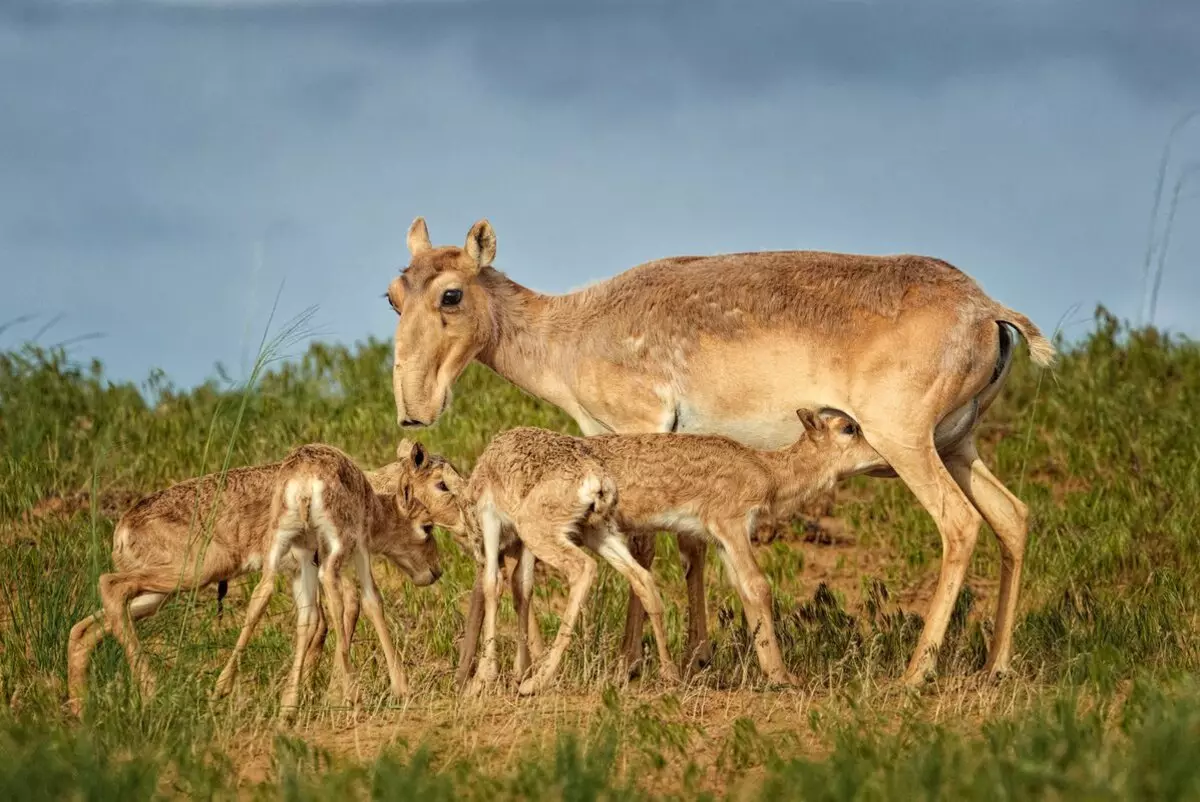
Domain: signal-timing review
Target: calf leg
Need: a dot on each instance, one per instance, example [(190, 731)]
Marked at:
[(258, 605), (642, 547), (611, 546), (522, 587), (754, 589), (330, 575), (470, 641), (374, 611), (487, 671), (86, 634), (306, 592), (693, 552), (556, 550)]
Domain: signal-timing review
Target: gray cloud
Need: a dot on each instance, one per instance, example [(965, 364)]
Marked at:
[(166, 167)]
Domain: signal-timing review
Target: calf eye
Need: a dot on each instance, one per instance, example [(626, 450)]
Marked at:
[(451, 297), (427, 529), (442, 487)]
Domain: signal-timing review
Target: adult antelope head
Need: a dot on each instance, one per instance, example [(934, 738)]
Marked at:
[(444, 320)]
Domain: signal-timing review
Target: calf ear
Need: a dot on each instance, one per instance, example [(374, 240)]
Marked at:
[(418, 237), (412, 451), (812, 424), (404, 494)]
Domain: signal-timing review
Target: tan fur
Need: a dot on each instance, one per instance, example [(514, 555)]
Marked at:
[(909, 346), (436, 484), (545, 494), (213, 528), (714, 487)]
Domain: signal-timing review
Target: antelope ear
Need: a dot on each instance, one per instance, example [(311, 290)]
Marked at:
[(418, 237), (809, 420), (481, 243)]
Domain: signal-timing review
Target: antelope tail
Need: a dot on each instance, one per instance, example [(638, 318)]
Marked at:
[(1041, 350)]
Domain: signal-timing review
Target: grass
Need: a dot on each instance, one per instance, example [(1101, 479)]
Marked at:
[(1102, 703)]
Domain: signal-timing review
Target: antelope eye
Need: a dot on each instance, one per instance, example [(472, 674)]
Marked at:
[(427, 529), (850, 429), (451, 297), (442, 487)]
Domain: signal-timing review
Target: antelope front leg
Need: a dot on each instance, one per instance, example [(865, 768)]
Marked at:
[(374, 611), (917, 463)]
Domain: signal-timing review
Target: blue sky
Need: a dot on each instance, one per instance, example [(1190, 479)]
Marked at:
[(164, 166)]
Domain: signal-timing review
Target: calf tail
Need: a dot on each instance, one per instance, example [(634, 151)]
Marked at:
[(598, 495)]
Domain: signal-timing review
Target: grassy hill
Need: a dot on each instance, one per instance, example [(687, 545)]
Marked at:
[(1105, 449)]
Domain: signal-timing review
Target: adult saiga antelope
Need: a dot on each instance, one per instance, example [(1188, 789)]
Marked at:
[(909, 346)]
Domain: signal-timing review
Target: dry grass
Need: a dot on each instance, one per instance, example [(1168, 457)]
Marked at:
[(1099, 706)]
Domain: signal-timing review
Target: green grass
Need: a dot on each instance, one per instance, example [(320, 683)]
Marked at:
[(1104, 449)]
